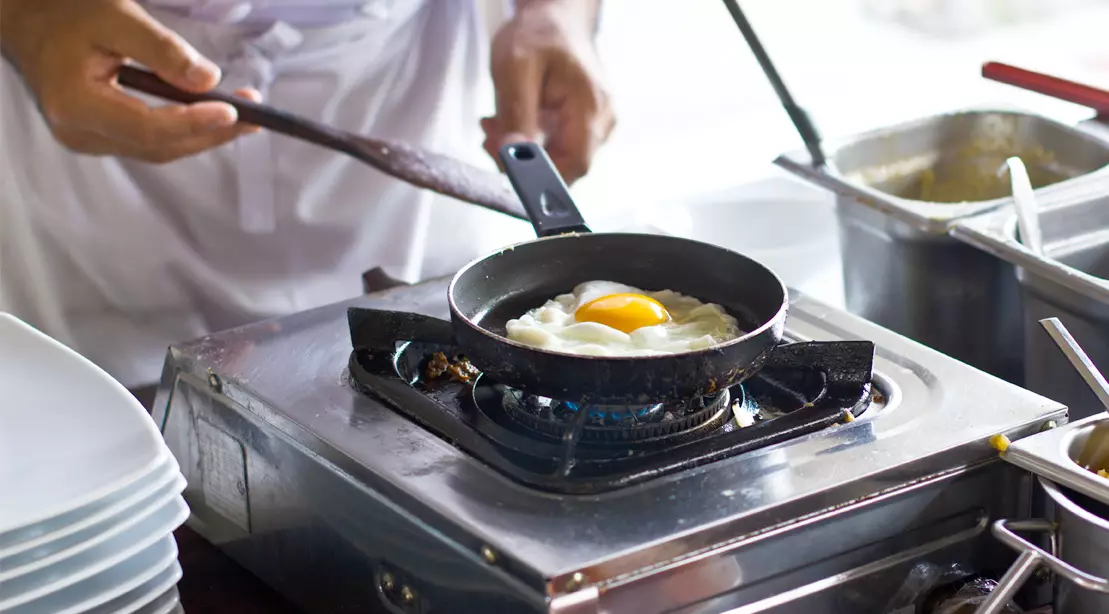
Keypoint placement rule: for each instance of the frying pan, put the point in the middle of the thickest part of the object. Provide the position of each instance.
(488, 292)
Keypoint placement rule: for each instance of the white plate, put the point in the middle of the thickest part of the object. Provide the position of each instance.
(93, 516)
(101, 588)
(153, 594)
(69, 433)
(96, 559)
(168, 603)
(28, 562)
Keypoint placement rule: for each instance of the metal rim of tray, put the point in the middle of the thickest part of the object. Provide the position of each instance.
(928, 216)
(1047, 455)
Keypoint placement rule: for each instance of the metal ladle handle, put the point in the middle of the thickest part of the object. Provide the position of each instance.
(1077, 357)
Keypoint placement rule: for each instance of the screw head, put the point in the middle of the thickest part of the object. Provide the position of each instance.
(388, 582)
(407, 595)
(489, 555)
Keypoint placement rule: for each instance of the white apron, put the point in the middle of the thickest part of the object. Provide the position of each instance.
(118, 259)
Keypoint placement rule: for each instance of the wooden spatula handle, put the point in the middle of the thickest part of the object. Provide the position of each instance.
(249, 112)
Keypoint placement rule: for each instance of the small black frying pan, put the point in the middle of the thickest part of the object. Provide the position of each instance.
(488, 292)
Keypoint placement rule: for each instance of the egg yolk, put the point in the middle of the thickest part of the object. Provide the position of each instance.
(624, 312)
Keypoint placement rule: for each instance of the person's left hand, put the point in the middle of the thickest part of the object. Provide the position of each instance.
(547, 78)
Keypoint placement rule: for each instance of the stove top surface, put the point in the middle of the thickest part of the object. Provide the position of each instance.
(294, 373)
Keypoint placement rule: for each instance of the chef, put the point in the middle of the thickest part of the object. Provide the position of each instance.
(127, 224)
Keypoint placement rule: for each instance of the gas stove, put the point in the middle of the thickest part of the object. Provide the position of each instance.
(565, 446)
(852, 474)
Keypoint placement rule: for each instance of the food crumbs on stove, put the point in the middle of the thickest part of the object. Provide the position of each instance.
(437, 366)
(459, 368)
(1103, 473)
(878, 397)
(848, 417)
(462, 371)
(1000, 442)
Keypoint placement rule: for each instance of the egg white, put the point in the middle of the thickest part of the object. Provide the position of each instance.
(693, 325)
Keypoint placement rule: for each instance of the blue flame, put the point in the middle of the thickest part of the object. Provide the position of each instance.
(604, 413)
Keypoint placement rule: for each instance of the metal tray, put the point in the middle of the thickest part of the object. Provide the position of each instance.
(883, 168)
(1067, 282)
(1052, 454)
(1075, 227)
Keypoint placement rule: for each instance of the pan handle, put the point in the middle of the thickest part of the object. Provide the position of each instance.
(541, 190)
(378, 330)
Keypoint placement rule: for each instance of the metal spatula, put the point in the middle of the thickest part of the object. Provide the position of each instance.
(414, 165)
(1095, 453)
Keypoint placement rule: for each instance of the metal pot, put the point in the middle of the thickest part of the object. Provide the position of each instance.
(1080, 557)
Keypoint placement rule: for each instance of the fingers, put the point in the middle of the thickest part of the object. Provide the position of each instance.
(518, 82)
(115, 114)
(496, 137)
(92, 143)
(191, 146)
(74, 80)
(570, 133)
(252, 95)
(131, 32)
(582, 128)
(110, 122)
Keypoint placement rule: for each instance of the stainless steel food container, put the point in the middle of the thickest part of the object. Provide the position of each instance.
(902, 269)
(1079, 535)
(1067, 282)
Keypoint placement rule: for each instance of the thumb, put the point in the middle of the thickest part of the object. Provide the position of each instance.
(135, 34)
(518, 82)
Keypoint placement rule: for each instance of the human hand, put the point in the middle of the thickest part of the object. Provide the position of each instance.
(547, 78)
(69, 51)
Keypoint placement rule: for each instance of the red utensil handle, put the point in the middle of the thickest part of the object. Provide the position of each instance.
(1091, 97)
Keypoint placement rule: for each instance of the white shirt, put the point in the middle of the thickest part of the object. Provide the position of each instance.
(119, 259)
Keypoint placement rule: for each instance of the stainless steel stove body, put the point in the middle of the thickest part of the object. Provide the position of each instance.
(345, 505)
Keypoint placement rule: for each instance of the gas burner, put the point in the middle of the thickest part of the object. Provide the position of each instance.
(560, 446)
(554, 418)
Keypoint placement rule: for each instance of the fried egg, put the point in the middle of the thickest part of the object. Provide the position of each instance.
(604, 318)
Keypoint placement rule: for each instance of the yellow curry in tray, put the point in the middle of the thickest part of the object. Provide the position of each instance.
(977, 173)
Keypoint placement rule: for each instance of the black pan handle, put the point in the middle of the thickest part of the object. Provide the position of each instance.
(378, 330)
(541, 190)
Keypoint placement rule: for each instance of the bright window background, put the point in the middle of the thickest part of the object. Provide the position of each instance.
(696, 114)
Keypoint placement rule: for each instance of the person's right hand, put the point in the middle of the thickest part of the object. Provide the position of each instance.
(69, 52)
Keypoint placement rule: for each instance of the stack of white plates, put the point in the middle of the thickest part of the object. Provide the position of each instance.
(89, 493)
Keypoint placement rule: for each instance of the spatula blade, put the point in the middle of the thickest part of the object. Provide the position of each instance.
(443, 174)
